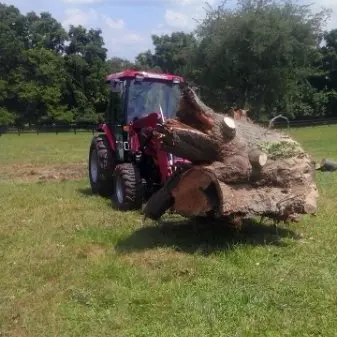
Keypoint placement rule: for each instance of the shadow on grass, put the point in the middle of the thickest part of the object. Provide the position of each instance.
(87, 192)
(206, 238)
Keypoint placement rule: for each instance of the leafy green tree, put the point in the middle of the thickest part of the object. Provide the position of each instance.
(259, 55)
(6, 117)
(12, 39)
(45, 32)
(32, 76)
(145, 60)
(327, 79)
(263, 55)
(85, 58)
(116, 64)
(172, 53)
(41, 91)
(12, 44)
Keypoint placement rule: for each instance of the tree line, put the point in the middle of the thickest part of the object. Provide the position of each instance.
(266, 56)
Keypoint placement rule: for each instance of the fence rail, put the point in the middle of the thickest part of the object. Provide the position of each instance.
(74, 128)
(48, 129)
(303, 123)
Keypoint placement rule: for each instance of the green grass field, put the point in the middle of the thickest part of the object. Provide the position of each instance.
(44, 149)
(72, 266)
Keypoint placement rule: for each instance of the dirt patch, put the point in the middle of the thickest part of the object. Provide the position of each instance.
(164, 263)
(155, 258)
(92, 252)
(35, 173)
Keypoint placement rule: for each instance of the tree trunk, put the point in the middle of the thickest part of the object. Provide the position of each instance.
(238, 168)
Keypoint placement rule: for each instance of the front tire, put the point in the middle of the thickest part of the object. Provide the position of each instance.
(128, 193)
(101, 166)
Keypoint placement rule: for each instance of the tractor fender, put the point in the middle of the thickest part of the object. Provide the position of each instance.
(110, 136)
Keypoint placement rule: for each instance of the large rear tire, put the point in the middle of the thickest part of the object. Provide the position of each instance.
(128, 190)
(101, 166)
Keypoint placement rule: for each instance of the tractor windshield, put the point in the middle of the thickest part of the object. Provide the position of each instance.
(151, 95)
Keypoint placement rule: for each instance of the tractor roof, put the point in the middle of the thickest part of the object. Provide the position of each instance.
(129, 73)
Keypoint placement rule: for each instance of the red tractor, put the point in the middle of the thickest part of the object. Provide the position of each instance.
(126, 162)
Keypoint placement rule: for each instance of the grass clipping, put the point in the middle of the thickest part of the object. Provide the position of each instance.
(281, 150)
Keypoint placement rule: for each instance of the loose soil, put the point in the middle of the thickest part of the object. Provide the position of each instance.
(33, 173)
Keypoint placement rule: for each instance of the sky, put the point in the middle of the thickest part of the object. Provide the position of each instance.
(127, 25)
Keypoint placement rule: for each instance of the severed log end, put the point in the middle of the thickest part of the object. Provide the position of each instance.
(193, 196)
(192, 205)
(228, 127)
(224, 128)
(257, 158)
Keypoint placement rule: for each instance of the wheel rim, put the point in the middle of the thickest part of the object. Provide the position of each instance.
(119, 190)
(93, 166)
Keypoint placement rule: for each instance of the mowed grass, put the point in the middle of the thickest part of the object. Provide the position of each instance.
(72, 266)
(320, 142)
(45, 148)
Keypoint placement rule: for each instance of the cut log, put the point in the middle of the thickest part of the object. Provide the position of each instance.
(238, 198)
(257, 158)
(188, 143)
(238, 168)
(228, 128)
(162, 200)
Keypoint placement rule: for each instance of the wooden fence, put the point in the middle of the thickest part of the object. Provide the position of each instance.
(74, 128)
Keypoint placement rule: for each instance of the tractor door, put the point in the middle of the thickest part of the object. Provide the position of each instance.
(115, 116)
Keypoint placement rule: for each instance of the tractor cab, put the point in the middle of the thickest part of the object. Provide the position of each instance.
(134, 95)
(125, 150)
(141, 93)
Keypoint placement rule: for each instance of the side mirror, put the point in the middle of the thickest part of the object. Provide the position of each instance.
(116, 86)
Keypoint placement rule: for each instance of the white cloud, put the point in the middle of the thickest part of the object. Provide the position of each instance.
(119, 40)
(176, 19)
(114, 24)
(161, 29)
(130, 38)
(126, 38)
(184, 14)
(76, 17)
